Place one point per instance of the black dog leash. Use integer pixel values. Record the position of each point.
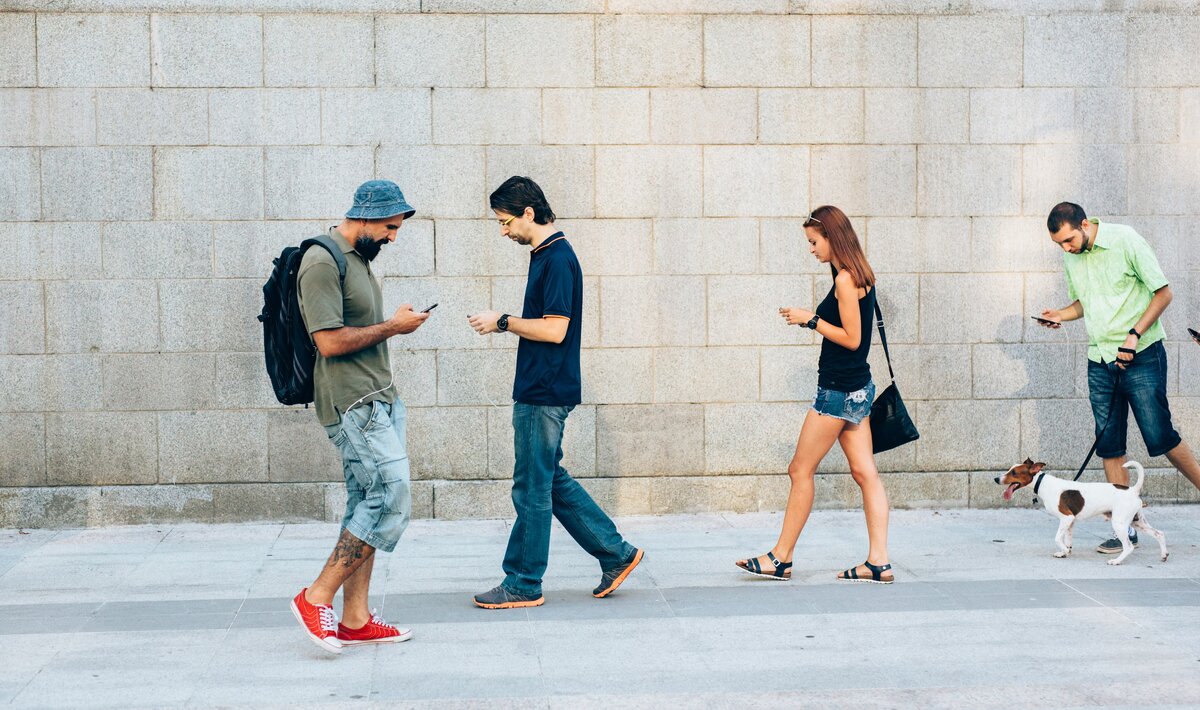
(1112, 405)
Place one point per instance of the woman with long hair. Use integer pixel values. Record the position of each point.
(841, 411)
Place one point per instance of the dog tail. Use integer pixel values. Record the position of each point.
(1141, 475)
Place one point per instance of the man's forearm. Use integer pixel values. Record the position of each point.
(1158, 304)
(348, 339)
(1072, 312)
(541, 329)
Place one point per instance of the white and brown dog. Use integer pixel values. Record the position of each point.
(1070, 501)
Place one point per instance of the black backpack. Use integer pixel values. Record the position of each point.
(288, 347)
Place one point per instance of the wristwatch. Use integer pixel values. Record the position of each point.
(1133, 331)
(502, 323)
(812, 323)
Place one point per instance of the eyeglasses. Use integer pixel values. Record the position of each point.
(505, 222)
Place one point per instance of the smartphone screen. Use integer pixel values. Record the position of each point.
(1045, 321)
(430, 308)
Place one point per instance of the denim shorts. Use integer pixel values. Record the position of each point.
(372, 440)
(1142, 387)
(850, 406)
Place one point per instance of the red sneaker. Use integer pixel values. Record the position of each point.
(318, 621)
(374, 631)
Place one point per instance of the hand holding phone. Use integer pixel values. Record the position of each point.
(426, 310)
(1195, 335)
(1047, 322)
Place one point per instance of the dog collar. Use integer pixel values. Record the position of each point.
(1038, 482)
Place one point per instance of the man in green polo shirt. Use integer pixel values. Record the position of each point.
(1118, 288)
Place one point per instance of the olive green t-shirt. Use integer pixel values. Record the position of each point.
(1115, 282)
(361, 377)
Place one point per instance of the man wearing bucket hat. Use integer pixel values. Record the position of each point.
(356, 402)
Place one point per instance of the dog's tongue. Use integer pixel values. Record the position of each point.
(1008, 492)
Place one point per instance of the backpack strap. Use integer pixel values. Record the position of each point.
(326, 241)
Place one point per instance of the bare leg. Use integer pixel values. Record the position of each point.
(1114, 471)
(856, 442)
(816, 439)
(1181, 458)
(347, 556)
(356, 609)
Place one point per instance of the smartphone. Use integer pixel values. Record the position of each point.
(1045, 321)
(430, 308)
(1194, 334)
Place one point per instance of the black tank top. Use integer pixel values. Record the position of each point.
(839, 368)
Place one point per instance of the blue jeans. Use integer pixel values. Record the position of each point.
(1142, 387)
(373, 442)
(541, 488)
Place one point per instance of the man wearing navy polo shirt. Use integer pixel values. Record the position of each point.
(545, 390)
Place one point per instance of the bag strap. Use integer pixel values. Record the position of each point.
(1112, 406)
(334, 250)
(883, 336)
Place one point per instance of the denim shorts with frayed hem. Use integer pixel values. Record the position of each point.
(372, 441)
(850, 406)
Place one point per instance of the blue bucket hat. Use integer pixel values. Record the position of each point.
(379, 199)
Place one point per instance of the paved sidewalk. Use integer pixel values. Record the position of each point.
(981, 617)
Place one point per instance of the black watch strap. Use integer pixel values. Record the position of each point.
(502, 323)
(1133, 331)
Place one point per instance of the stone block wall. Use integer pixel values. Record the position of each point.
(156, 155)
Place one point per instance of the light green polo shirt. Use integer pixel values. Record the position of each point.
(1115, 282)
(359, 377)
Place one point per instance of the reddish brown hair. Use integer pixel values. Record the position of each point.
(844, 248)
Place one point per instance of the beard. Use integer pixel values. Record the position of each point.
(368, 247)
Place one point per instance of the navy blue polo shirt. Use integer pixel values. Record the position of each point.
(548, 373)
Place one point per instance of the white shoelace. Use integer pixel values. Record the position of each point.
(328, 618)
(377, 619)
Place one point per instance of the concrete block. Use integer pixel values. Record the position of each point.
(487, 116)
(447, 327)
(648, 181)
(706, 375)
(1022, 371)
(789, 373)
(152, 117)
(919, 244)
(102, 316)
(995, 316)
(157, 250)
(1153, 62)
(705, 246)
(207, 50)
(969, 51)
(1188, 365)
(18, 49)
(898, 295)
(767, 181)
(941, 372)
(429, 50)
(208, 183)
(414, 373)
(780, 58)
(1094, 175)
(292, 58)
(810, 116)
(20, 191)
(1014, 244)
(244, 383)
(50, 251)
(1156, 116)
(1023, 116)
(1160, 179)
(97, 183)
(864, 51)
(1058, 432)
(98, 448)
(475, 247)
(23, 456)
(957, 180)
(256, 501)
(1105, 115)
(57, 383)
(565, 53)
(475, 377)
(408, 116)
(264, 117)
(23, 329)
(652, 310)
(691, 116)
(595, 116)
(659, 440)
(174, 381)
(439, 181)
(246, 249)
(411, 254)
(565, 174)
(738, 494)
(945, 426)
(876, 180)
(578, 444)
(744, 310)
(784, 249)
(1100, 61)
(53, 117)
(472, 500)
(613, 247)
(916, 115)
(1042, 291)
(907, 491)
(210, 315)
(314, 182)
(617, 375)
(751, 438)
(633, 50)
(448, 442)
(93, 49)
(212, 447)
(515, 6)
(1189, 115)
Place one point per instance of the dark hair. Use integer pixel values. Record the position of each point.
(516, 194)
(844, 246)
(1065, 213)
